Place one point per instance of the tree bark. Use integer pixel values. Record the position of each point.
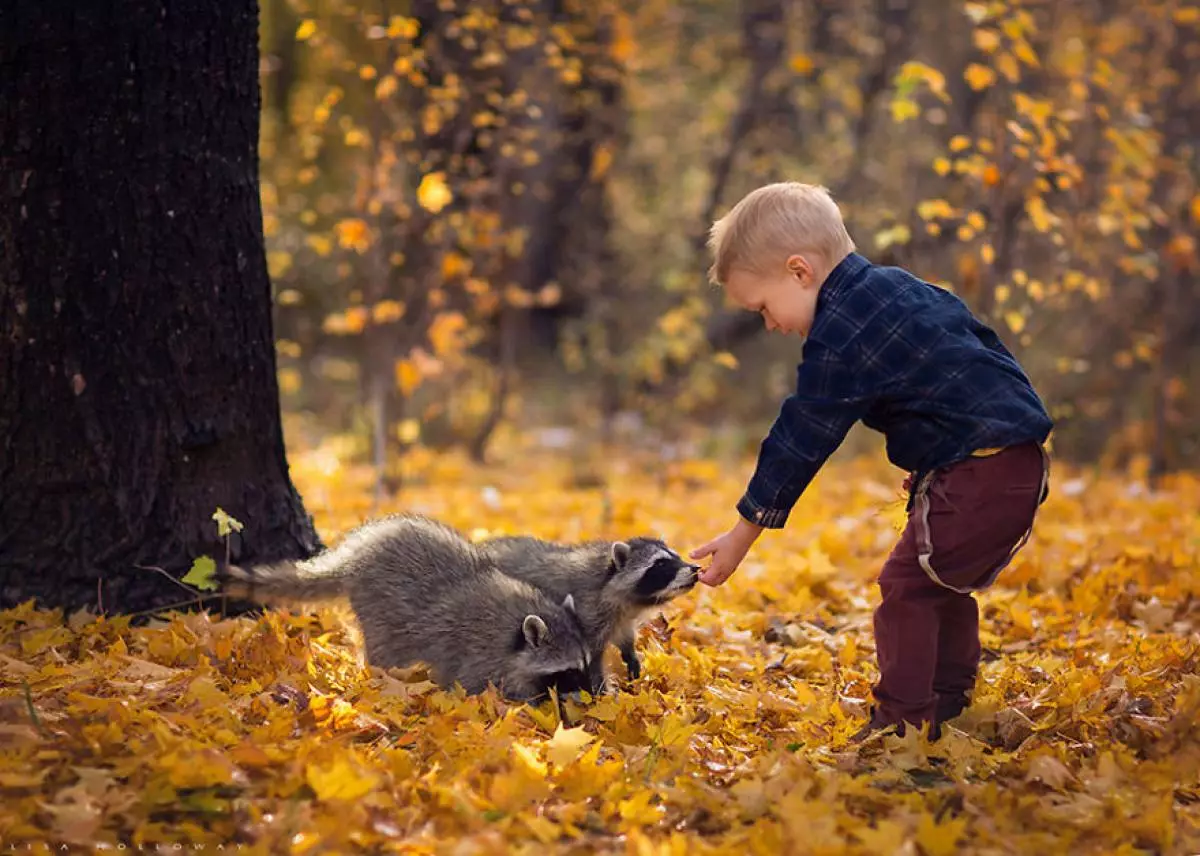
(137, 364)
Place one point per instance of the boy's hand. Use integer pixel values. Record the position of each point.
(727, 551)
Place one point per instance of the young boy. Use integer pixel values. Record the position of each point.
(959, 414)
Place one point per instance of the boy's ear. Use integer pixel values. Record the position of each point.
(800, 267)
(796, 263)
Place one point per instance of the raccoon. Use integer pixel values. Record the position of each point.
(615, 583)
(422, 592)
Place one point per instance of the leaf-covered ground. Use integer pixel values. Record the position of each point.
(269, 734)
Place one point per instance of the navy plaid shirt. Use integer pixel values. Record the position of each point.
(908, 359)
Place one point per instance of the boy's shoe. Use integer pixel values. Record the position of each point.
(877, 726)
(874, 726)
(951, 706)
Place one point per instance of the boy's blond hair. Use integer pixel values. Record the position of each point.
(774, 221)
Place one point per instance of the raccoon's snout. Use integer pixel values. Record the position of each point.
(689, 575)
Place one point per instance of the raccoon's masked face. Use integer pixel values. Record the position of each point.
(549, 651)
(648, 572)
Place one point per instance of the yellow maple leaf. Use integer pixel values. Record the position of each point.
(1038, 213)
(751, 796)
(904, 109)
(339, 780)
(527, 760)
(726, 359)
(885, 836)
(353, 233)
(445, 332)
(455, 265)
(567, 744)
(306, 30)
(544, 830)
(1025, 53)
(409, 431)
(279, 262)
(320, 244)
(1008, 66)
(205, 692)
(400, 27)
(22, 778)
(205, 768)
(932, 209)
(408, 376)
(1050, 771)
(986, 40)
(801, 63)
(637, 810)
(940, 839)
(978, 76)
(433, 194)
(387, 87)
(602, 159)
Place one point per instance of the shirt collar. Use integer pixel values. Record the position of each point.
(840, 278)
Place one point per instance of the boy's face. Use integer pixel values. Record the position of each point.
(786, 300)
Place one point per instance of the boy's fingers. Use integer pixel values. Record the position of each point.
(703, 550)
(715, 574)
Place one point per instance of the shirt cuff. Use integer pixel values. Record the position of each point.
(768, 518)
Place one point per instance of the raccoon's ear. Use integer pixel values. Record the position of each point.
(619, 554)
(535, 630)
(569, 603)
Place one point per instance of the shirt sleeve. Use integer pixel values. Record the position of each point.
(812, 422)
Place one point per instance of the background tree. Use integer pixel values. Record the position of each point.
(137, 361)
(464, 133)
(1038, 159)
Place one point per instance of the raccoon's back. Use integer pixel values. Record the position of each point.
(410, 553)
(560, 569)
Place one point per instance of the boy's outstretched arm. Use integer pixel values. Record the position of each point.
(811, 424)
(727, 551)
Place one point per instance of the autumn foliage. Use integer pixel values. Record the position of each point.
(536, 180)
(1083, 736)
(485, 223)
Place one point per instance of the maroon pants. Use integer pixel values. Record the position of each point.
(965, 523)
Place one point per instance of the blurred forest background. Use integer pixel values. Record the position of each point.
(486, 216)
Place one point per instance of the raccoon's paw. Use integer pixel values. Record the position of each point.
(632, 663)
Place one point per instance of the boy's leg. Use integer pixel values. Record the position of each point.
(970, 523)
(958, 654)
(906, 637)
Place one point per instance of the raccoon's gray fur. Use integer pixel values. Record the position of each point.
(423, 592)
(614, 584)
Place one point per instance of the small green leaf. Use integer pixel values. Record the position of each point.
(225, 523)
(201, 574)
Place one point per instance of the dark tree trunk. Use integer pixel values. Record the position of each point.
(137, 366)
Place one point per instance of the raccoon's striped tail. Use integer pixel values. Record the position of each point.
(282, 581)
